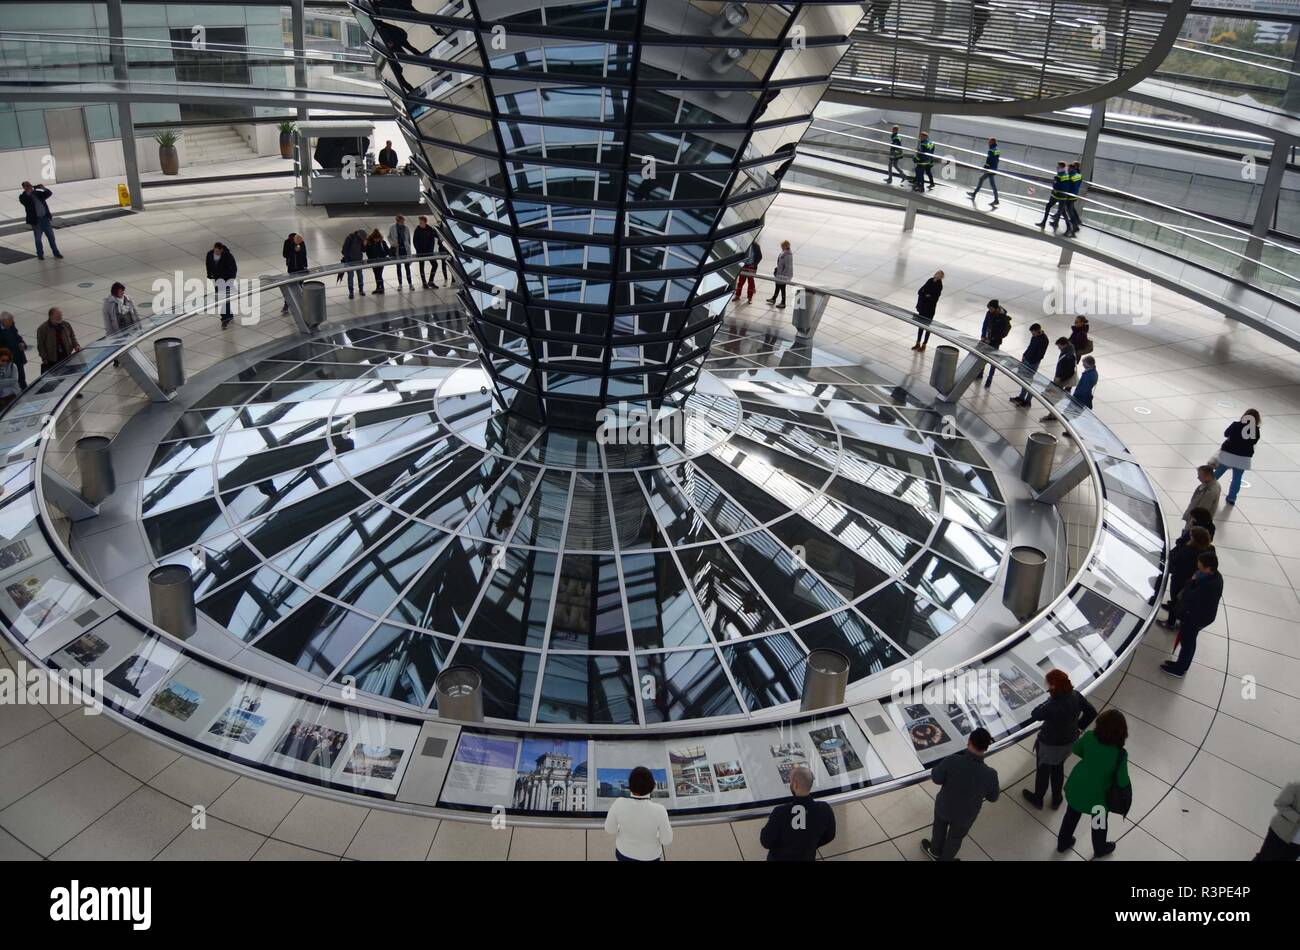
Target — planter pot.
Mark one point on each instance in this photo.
(286, 145)
(170, 159)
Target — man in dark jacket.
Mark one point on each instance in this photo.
(1198, 606)
(35, 202)
(354, 251)
(55, 340)
(1066, 363)
(388, 156)
(997, 324)
(966, 783)
(1032, 357)
(12, 340)
(927, 299)
(425, 240)
(222, 271)
(797, 828)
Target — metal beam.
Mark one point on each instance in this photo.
(143, 373)
(125, 122)
(909, 215)
(971, 369)
(1071, 474)
(65, 496)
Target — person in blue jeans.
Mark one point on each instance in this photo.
(1237, 451)
(35, 202)
(1087, 382)
(1032, 357)
(1198, 607)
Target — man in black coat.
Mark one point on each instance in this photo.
(12, 340)
(1066, 363)
(35, 202)
(1032, 357)
(222, 271)
(797, 828)
(1198, 606)
(996, 326)
(388, 156)
(966, 783)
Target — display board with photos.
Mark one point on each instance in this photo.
(236, 718)
(692, 771)
(1083, 636)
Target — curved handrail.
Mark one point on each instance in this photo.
(278, 53)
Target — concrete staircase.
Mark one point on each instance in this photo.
(210, 144)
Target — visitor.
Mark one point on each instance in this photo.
(640, 825)
(1063, 377)
(895, 156)
(783, 273)
(425, 241)
(399, 243)
(1200, 518)
(294, 253)
(1079, 336)
(13, 341)
(377, 250)
(1204, 496)
(1198, 606)
(36, 204)
(876, 13)
(1032, 357)
(1103, 763)
(927, 299)
(55, 340)
(1087, 383)
(119, 310)
(798, 827)
(1282, 841)
(10, 389)
(996, 326)
(1237, 450)
(1182, 568)
(981, 13)
(222, 271)
(1064, 715)
(388, 156)
(965, 783)
(354, 251)
(753, 257)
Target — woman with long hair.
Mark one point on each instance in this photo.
(1237, 450)
(1064, 714)
(376, 250)
(1103, 763)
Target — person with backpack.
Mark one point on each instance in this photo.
(1079, 337)
(1099, 783)
(1032, 357)
(1064, 715)
(996, 326)
(1064, 376)
(1197, 608)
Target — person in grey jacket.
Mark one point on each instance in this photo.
(966, 783)
(354, 251)
(1204, 495)
(399, 245)
(784, 273)
(119, 310)
(1282, 842)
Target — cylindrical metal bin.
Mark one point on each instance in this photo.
(171, 597)
(169, 355)
(1040, 456)
(313, 302)
(1024, 584)
(825, 677)
(460, 694)
(95, 463)
(943, 374)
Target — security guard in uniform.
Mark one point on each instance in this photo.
(924, 161)
(1059, 183)
(1071, 203)
(895, 153)
(990, 172)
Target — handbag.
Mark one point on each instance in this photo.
(1119, 800)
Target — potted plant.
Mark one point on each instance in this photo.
(168, 157)
(286, 139)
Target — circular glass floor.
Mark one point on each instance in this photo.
(356, 506)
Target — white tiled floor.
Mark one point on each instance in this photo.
(1208, 752)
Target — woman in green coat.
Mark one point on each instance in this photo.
(1101, 756)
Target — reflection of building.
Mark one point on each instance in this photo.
(555, 784)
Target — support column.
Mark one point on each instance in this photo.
(1072, 473)
(922, 125)
(1267, 206)
(125, 122)
(459, 691)
(1087, 159)
(1040, 456)
(298, 26)
(171, 600)
(1026, 569)
(825, 677)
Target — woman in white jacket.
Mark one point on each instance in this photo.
(640, 826)
(119, 310)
